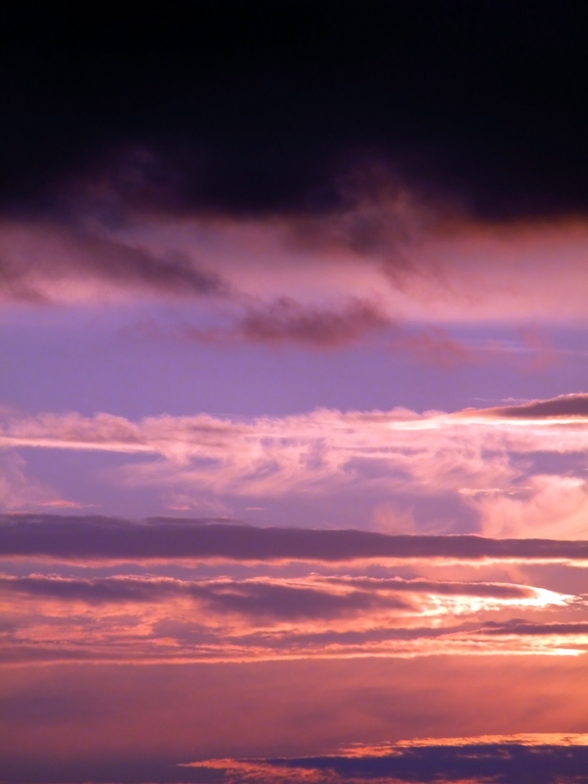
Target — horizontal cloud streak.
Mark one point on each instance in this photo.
(235, 594)
(98, 538)
(543, 759)
(564, 406)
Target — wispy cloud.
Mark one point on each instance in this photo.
(131, 617)
(518, 470)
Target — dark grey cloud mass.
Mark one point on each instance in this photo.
(103, 538)
(257, 103)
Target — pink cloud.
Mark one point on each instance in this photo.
(484, 459)
(131, 618)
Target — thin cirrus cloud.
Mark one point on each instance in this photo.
(519, 470)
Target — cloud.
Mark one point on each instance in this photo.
(45, 713)
(517, 626)
(419, 585)
(311, 597)
(548, 506)
(226, 619)
(114, 539)
(545, 759)
(498, 474)
(19, 492)
(287, 321)
(45, 262)
(574, 406)
(279, 600)
(387, 255)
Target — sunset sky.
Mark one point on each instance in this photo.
(294, 393)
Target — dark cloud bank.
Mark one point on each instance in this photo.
(502, 763)
(259, 106)
(102, 538)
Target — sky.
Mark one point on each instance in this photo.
(294, 393)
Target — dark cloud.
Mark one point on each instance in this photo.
(173, 272)
(575, 405)
(503, 763)
(102, 538)
(98, 591)
(257, 102)
(507, 761)
(287, 321)
(290, 603)
(521, 627)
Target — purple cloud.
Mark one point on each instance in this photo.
(102, 538)
(574, 405)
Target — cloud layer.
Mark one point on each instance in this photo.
(545, 759)
(333, 605)
(386, 264)
(111, 539)
(380, 204)
(514, 471)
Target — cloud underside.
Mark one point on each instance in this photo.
(384, 258)
(113, 539)
(503, 760)
(541, 759)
